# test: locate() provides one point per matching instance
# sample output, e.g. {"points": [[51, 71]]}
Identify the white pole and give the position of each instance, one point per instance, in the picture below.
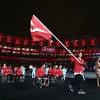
{"points": [[58, 40]]}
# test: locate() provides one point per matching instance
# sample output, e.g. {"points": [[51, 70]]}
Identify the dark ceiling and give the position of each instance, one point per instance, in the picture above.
{"points": [[60, 16]]}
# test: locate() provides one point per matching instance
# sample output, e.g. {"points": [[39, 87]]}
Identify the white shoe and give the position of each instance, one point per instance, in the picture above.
{"points": [[81, 92]]}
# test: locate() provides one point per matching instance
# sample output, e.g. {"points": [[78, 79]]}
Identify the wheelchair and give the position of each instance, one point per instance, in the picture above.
{"points": [[41, 82]]}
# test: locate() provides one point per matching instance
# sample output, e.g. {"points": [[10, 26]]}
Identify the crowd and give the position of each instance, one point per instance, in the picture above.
{"points": [[41, 75]]}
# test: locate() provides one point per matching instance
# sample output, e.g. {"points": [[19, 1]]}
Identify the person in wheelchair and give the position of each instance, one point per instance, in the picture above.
{"points": [[23, 71], [59, 74], [19, 75], [4, 73], [53, 73], [15, 73], [10, 75], [64, 71], [40, 74]]}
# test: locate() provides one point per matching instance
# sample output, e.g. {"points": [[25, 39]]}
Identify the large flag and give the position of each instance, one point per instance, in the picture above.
{"points": [[39, 32]]}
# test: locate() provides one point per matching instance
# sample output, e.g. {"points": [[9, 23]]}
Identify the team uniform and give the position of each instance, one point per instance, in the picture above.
{"points": [[19, 74], [10, 75], [4, 71], [4, 74], [78, 74], [40, 74], [59, 73], [64, 71], [47, 71], [23, 71], [50, 72], [33, 72]]}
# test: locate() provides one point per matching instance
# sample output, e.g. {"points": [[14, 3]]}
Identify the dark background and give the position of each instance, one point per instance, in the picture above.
{"points": [[60, 16]]}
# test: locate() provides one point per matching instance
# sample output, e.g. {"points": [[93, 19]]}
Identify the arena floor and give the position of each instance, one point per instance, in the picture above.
{"points": [[25, 91]]}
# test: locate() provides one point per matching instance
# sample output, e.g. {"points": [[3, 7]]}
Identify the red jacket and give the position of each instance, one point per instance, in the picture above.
{"points": [[19, 72], [51, 71], [54, 72], [59, 72], [5, 71], [40, 72], [78, 68], [9, 71]]}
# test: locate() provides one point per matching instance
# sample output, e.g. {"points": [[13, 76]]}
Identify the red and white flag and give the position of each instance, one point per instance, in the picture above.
{"points": [[39, 32]]}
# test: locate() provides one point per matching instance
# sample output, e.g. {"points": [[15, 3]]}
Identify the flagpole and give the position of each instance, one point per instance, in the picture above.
{"points": [[58, 40]]}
